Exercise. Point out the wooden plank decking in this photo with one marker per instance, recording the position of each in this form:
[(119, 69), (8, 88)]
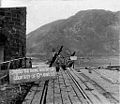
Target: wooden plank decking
[(60, 90), (66, 88)]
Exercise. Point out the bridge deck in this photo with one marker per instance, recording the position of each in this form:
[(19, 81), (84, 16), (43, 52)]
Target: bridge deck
[(60, 90), (68, 88)]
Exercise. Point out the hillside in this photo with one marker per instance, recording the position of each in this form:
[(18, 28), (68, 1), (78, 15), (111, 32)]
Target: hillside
[(88, 32)]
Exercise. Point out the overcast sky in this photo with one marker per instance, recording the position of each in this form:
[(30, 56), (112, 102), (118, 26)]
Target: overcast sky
[(40, 12)]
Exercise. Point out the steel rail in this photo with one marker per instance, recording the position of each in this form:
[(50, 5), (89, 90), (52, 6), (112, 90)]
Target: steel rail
[(106, 92), (74, 89), (44, 93), (92, 81), (80, 88)]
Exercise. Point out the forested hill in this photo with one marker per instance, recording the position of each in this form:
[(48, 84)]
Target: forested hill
[(88, 32)]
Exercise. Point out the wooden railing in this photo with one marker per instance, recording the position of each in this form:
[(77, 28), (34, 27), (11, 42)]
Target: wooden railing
[(24, 62)]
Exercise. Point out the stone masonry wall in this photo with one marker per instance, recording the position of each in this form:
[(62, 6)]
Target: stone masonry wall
[(13, 28)]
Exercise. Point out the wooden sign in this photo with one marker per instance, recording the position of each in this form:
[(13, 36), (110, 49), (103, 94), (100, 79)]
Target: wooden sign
[(73, 57), (17, 76)]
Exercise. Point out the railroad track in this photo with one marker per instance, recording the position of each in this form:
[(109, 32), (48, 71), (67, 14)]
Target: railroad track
[(86, 97), (68, 88), (89, 91), (111, 98), (37, 94), (106, 93), (44, 93)]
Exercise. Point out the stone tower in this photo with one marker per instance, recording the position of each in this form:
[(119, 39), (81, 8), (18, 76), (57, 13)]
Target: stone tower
[(12, 33)]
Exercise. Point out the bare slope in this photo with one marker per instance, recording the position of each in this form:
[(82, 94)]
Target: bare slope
[(88, 32)]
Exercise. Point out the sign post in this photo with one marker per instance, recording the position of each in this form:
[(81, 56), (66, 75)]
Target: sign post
[(73, 58), (17, 76)]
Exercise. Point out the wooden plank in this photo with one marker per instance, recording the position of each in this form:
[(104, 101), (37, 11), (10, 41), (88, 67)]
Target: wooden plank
[(65, 96), (76, 90), (74, 98), (38, 93), (30, 96), (49, 97), (99, 96), (89, 93), (57, 92), (17, 76)]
